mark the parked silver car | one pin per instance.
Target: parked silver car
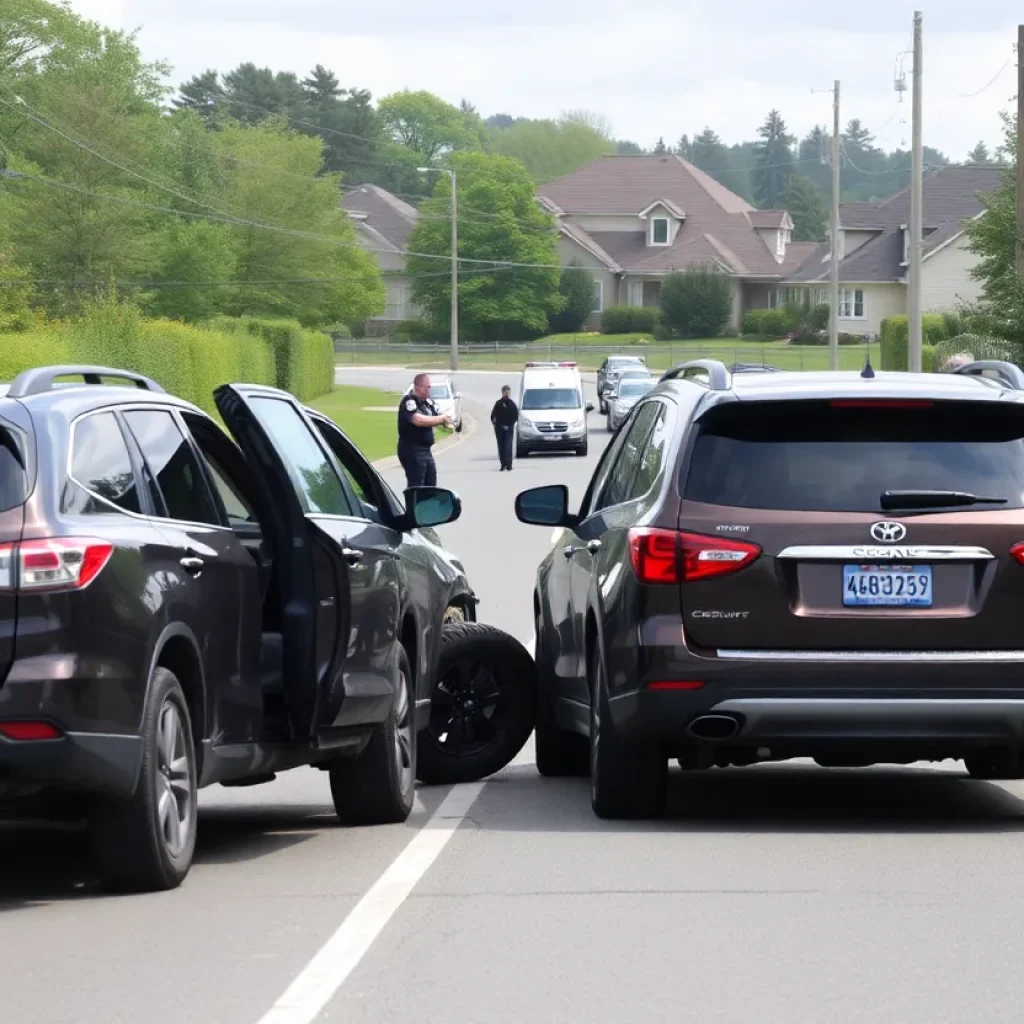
(444, 396)
(628, 391)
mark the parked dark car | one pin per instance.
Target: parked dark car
(177, 610)
(610, 370)
(778, 565)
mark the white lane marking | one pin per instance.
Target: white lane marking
(555, 534)
(310, 992)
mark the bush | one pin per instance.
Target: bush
(953, 325)
(339, 331)
(807, 336)
(818, 316)
(576, 288)
(34, 348)
(629, 320)
(697, 303)
(769, 323)
(895, 336)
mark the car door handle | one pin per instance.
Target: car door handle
(352, 555)
(569, 551)
(593, 546)
(192, 564)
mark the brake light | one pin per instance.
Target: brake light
(667, 556)
(1017, 552)
(676, 684)
(29, 731)
(879, 403)
(57, 563)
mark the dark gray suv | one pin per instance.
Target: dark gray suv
(778, 565)
(177, 610)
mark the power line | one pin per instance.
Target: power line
(992, 81)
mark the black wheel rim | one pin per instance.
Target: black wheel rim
(465, 716)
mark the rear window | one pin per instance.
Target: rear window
(440, 391)
(552, 398)
(817, 456)
(630, 388)
(13, 479)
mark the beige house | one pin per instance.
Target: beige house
(633, 219)
(383, 223)
(874, 255)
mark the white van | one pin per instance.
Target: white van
(552, 410)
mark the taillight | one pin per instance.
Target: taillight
(676, 684)
(29, 731)
(1017, 552)
(57, 563)
(668, 556)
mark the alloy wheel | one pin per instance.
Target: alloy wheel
(174, 781)
(403, 734)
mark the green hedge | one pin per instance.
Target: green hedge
(769, 323)
(303, 359)
(895, 332)
(629, 320)
(190, 362)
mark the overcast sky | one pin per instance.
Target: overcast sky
(652, 67)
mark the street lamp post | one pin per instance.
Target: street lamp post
(455, 265)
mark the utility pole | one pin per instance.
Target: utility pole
(454, 360)
(455, 277)
(1020, 151)
(916, 213)
(833, 320)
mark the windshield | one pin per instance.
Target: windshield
(635, 388)
(776, 455)
(440, 391)
(552, 398)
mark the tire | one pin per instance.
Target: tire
(146, 843)
(582, 450)
(628, 777)
(995, 764)
(378, 787)
(521, 452)
(480, 669)
(560, 754)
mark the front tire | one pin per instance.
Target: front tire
(628, 777)
(378, 787)
(146, 843)
(482, 706)
(521, 452)
(582, 450)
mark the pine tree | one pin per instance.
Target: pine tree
(773, 161)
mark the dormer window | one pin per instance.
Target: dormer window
(659, 231)
(780, 245)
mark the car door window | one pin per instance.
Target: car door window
(653, 456)
(360, 476)
(317, 483)
(180, 484)
(101, 463)
(618, 487)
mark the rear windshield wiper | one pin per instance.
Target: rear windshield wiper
(935, 499)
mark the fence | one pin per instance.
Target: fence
(589, 352)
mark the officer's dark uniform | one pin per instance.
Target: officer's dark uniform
(414, 443)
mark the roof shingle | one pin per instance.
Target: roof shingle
(388, 215)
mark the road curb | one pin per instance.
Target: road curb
(468, 430)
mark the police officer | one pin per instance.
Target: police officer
(417, 417)
(504, 416)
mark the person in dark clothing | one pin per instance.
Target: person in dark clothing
(417, 417)
(504, 416)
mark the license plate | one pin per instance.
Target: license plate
(889, 586)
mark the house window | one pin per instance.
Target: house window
(780, 246)
(851, 304)
(659, 231)
(598, 296)
(635, 293)
(776, 298)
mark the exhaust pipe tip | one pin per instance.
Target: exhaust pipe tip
(714, 727)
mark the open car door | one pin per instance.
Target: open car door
(299, 480)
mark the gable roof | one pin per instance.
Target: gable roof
(950, 197)
(718, 226)
(383, 213)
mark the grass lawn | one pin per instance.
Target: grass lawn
(593, 339)
(590, 351)
(354, 409)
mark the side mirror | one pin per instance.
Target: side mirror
(431, 506)
(545, 506)
(590, 406)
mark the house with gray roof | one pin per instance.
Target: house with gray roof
(383, 223)
(631, 220)
(874, 253)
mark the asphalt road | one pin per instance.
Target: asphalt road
(779, 893)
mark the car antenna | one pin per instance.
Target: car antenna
(868, 371)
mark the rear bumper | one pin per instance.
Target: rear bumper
(96, 763)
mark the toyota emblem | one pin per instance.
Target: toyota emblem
(888, 533)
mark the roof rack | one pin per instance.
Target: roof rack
(1008, 374)
(719, 378)
(754, 368)
(41, 379)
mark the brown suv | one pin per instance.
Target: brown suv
(778, 565)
